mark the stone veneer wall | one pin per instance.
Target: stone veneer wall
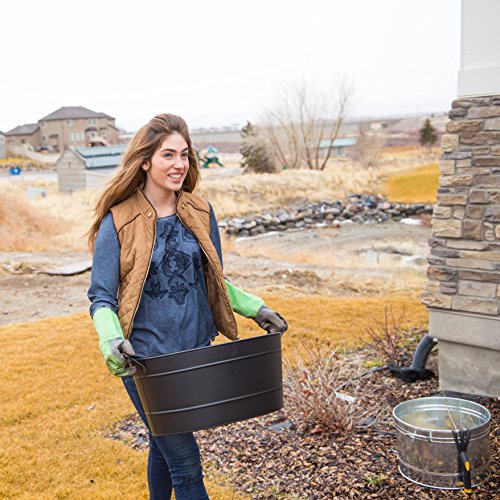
(464, 266)
(463, 287)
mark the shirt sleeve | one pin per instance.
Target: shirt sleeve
(105, 275)
(215, 235)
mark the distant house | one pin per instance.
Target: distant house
(27, 134)
(69, 126)
(3, 145)
(87, 167)
(342, 147)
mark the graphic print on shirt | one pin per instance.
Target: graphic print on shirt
(173, 272)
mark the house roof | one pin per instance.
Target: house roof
(74, 112)
(101, 156)
(339, 142)
(26, 129)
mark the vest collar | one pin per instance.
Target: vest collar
(147, 209)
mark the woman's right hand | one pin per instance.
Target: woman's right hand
(112, 343)
(115, 361)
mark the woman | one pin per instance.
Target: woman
(157, 284)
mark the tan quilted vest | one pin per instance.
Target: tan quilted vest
(135, 224)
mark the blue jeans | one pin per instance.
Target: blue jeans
(173, 462)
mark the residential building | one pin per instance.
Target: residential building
(69, 126)
(87, 167)
(24, 135)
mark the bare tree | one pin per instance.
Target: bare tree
(305, 121)
(369, 148)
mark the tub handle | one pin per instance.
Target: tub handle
(462, 438)
(135, 362)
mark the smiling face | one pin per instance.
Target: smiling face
(168, 167)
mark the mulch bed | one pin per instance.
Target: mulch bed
(267, 457)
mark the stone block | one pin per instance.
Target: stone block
(435, 261)
(477, 305)
(432, 286)
(452, 198)
(472, 230)
(448, 288)
(464, 126)
(442, 273)
(477, 289)
(447, 228)
(497, 232)
(442, 212)
(489, 235)
(486, 255)
(449, 142)
(479, 276)
(447, 167)
(480, 151)
(490, 124)
(484, 112)
(486, 265)
(458, 212)
(495, 150)
(456, 180)
(492, 213)
(480, 138)
(457, 113)
(490, 161)
(474, 211)
(461, 103)
(498, 291)
(463, 163)
(437, 300)
(478, 196)
(445, 252)
(436, 242)
(494, 196)
(487, 181)
(468, 245)
(456, 155)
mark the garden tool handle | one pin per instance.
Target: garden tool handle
(135, 362)
(466, 472)
(462, 438)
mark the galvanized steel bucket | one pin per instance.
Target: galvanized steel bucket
(429, 453)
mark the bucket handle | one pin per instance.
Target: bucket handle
(135, 362)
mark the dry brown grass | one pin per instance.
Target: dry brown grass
(239, 195)
(23, 227)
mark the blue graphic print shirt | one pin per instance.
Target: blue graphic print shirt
(173, 314)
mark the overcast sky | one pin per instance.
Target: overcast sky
(219, 62)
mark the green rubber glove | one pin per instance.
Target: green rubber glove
(243, 303)
(112, 343)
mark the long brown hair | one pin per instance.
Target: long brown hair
(130, 176)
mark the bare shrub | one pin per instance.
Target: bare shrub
(312, 402)
(369, 148)
(386, 336)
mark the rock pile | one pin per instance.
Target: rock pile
(355, 208)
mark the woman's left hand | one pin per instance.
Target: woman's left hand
(270, 320)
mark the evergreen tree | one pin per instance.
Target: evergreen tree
(255, 155)
(428, 134)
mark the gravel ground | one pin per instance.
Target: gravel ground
(267, 457)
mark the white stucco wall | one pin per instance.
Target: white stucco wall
(480, 49)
